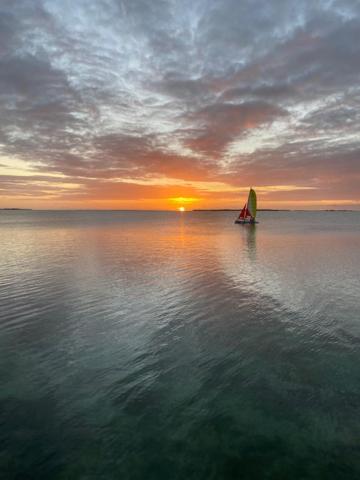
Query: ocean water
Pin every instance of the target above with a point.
(144, 345)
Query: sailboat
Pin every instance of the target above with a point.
(248, 213)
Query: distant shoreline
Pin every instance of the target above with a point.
(270, 210)
(237, 209)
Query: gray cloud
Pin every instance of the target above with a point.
(136, 88)
(222, 122)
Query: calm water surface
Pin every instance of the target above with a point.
(179, 346)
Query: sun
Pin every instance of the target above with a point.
(181, 209)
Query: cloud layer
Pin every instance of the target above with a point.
(118, 103)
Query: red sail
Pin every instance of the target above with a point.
(243, 212)
(248, 214)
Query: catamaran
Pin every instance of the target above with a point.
(248, 213)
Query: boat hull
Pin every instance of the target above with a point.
(245, 222)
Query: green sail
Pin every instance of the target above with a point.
(252, 203)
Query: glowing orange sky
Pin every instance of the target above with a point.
(159, 195)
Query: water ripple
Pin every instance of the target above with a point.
(156, 343)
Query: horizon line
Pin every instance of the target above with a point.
(173, 210)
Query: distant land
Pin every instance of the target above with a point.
(269, 210)
(237, 209)
(15, 208)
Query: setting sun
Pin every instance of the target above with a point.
(181, 209)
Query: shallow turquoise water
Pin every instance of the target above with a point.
(179, 346)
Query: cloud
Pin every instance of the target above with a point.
(262, 91)
(221, 123)
(205, 90)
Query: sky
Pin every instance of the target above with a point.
(161, 104)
